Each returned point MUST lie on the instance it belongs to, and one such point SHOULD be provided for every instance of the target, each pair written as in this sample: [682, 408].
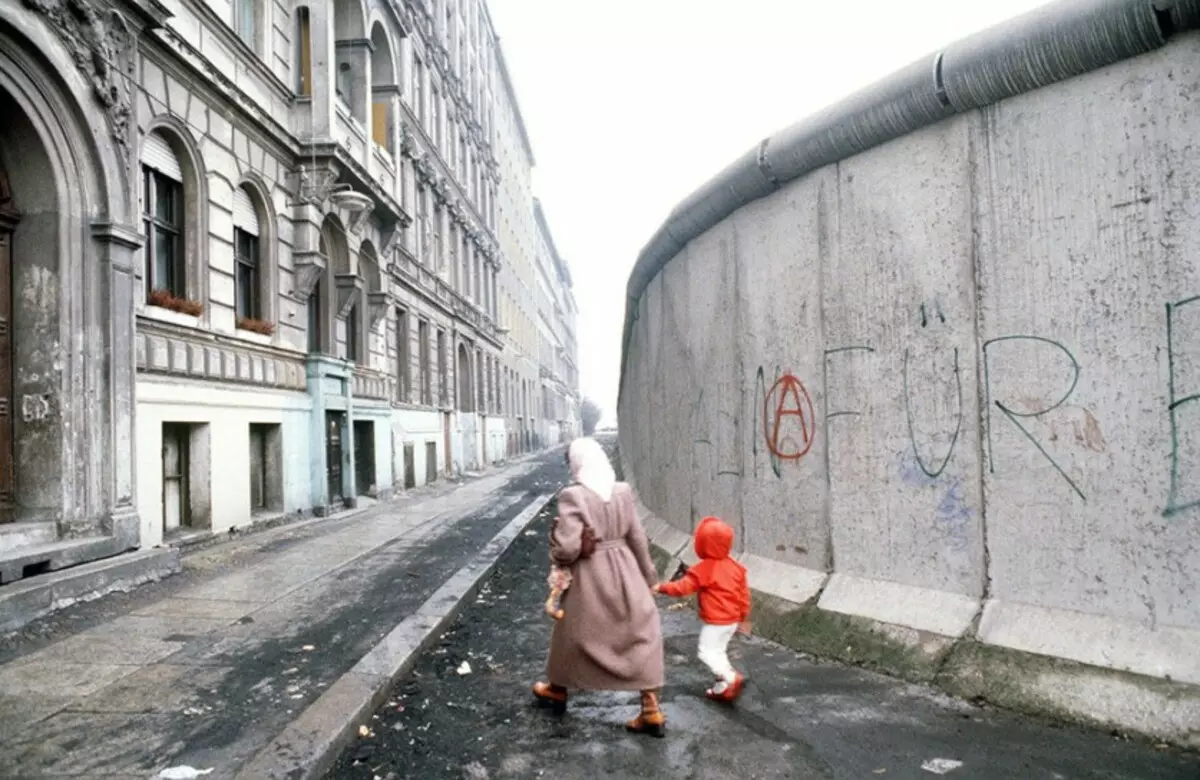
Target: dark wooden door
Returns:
[333, 456]
[410, 467]
[446, 442]
[7, 476]
[364, 457]
[430, 461]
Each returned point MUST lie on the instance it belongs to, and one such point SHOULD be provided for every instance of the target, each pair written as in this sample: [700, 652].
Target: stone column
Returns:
[116, 246]
[320, 28]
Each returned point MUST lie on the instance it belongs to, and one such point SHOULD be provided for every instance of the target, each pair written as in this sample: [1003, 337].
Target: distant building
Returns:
[558, 348]
[518, 235]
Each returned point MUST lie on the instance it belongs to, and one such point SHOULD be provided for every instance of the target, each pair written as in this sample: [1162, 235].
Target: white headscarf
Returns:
[590, 467]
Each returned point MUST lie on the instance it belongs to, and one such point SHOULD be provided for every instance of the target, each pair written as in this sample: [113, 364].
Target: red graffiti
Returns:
[790, 400]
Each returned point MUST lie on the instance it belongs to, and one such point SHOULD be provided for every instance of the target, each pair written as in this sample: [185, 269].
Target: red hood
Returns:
[714, 539]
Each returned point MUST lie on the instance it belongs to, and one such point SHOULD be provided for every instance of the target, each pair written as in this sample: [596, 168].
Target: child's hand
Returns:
[656, 588]
[744, 628]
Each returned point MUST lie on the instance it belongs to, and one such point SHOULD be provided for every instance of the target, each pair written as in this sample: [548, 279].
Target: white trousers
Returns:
[714, 644]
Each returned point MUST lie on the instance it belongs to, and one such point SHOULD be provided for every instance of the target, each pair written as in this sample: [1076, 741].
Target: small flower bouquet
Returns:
[559, 580]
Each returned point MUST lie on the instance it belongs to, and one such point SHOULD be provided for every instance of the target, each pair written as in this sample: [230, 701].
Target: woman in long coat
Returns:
[610, 638]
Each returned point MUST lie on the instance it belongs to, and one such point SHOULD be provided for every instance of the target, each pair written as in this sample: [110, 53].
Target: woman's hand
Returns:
[744, 628]
[656, 588]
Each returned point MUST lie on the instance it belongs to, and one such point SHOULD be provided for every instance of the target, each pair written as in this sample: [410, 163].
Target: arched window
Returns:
[464, 380]
[248, 298]
[383, 77]
[162, 219]
[304, 80]
[316, 305]
[353, 351]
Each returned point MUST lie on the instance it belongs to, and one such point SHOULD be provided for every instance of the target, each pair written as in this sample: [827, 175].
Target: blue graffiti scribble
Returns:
[954, 516]
[911, 473]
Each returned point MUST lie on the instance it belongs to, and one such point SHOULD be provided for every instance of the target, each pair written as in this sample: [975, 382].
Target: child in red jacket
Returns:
[724, 602]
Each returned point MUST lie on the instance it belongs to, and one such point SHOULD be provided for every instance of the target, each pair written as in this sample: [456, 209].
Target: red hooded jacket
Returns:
[720, 580]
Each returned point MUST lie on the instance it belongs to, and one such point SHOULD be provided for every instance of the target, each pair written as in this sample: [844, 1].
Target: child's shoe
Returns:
[727, 693]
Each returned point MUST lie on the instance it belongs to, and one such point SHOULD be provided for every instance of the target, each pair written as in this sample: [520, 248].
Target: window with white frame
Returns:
[162, 218]
[246, 21]
[248, 277]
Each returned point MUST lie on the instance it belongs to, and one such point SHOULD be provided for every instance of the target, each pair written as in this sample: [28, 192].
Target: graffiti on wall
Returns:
[715, 439]
[784, 426]
[785, 419]
[788, 419]
[786, 430]
[1008, 407]
[934, 469]
[1175, 502]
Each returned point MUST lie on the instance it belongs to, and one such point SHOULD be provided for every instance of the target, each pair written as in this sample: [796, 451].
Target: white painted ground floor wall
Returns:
[497, 439]
[409, 449]
[221, 417]
[417, 434]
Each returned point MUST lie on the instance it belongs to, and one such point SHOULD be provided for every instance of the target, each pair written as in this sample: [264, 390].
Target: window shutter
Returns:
[244, 215]
[157, 154]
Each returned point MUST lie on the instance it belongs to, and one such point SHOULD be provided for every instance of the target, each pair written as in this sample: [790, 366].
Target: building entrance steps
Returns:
[211, 668]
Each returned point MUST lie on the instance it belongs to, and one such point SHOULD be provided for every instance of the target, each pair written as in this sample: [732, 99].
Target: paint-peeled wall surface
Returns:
[958, 372]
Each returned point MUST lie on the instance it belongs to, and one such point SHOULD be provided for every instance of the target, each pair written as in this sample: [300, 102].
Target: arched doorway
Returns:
[9, 218]
[31, 286]
[69, 234]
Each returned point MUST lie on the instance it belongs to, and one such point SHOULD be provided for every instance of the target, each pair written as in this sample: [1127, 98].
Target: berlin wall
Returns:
[935, 354]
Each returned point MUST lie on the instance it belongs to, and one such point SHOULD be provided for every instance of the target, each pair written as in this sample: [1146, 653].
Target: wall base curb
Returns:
[959, 664]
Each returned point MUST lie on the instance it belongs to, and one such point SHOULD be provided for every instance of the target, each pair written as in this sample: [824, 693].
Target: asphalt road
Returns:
[799, 719]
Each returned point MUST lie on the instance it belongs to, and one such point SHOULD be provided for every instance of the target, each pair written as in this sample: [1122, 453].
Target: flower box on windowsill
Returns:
[166, 300]
[166, 315]
[258, 331]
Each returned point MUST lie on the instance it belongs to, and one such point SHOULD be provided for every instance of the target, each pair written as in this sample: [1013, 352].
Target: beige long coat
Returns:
[610, 638]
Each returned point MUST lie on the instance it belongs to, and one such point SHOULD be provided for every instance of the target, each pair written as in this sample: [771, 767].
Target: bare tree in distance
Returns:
[589, 414]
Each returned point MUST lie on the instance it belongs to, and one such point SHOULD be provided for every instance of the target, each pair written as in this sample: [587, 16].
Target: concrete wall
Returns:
[945, 386]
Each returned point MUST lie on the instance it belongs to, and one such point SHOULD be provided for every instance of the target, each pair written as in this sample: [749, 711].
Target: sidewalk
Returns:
[207, 668]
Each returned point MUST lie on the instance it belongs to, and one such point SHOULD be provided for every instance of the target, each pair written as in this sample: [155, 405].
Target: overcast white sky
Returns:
[632, 104]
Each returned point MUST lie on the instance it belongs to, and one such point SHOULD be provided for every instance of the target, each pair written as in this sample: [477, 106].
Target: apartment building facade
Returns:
[518, 234]
[249, 264]
[558, 352]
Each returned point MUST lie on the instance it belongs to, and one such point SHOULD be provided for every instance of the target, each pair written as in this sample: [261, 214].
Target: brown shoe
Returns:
[651, 720]
[551, 695]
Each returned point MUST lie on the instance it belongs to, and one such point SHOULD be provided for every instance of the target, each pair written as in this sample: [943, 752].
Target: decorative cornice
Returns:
[441, 192]
[424, 168]
[390, 242]
[313, 183]
[378, 304]
[202, 356]
[349, 291]
[359, 218]
[407, 145]
[103, 48]
[307, 270]
[355, 43]
[105, 231]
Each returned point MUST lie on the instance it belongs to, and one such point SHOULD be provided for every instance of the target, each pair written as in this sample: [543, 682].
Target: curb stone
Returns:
[310, 745]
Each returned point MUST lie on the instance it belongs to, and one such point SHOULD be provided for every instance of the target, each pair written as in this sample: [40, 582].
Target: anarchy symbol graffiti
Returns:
[788, 420]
